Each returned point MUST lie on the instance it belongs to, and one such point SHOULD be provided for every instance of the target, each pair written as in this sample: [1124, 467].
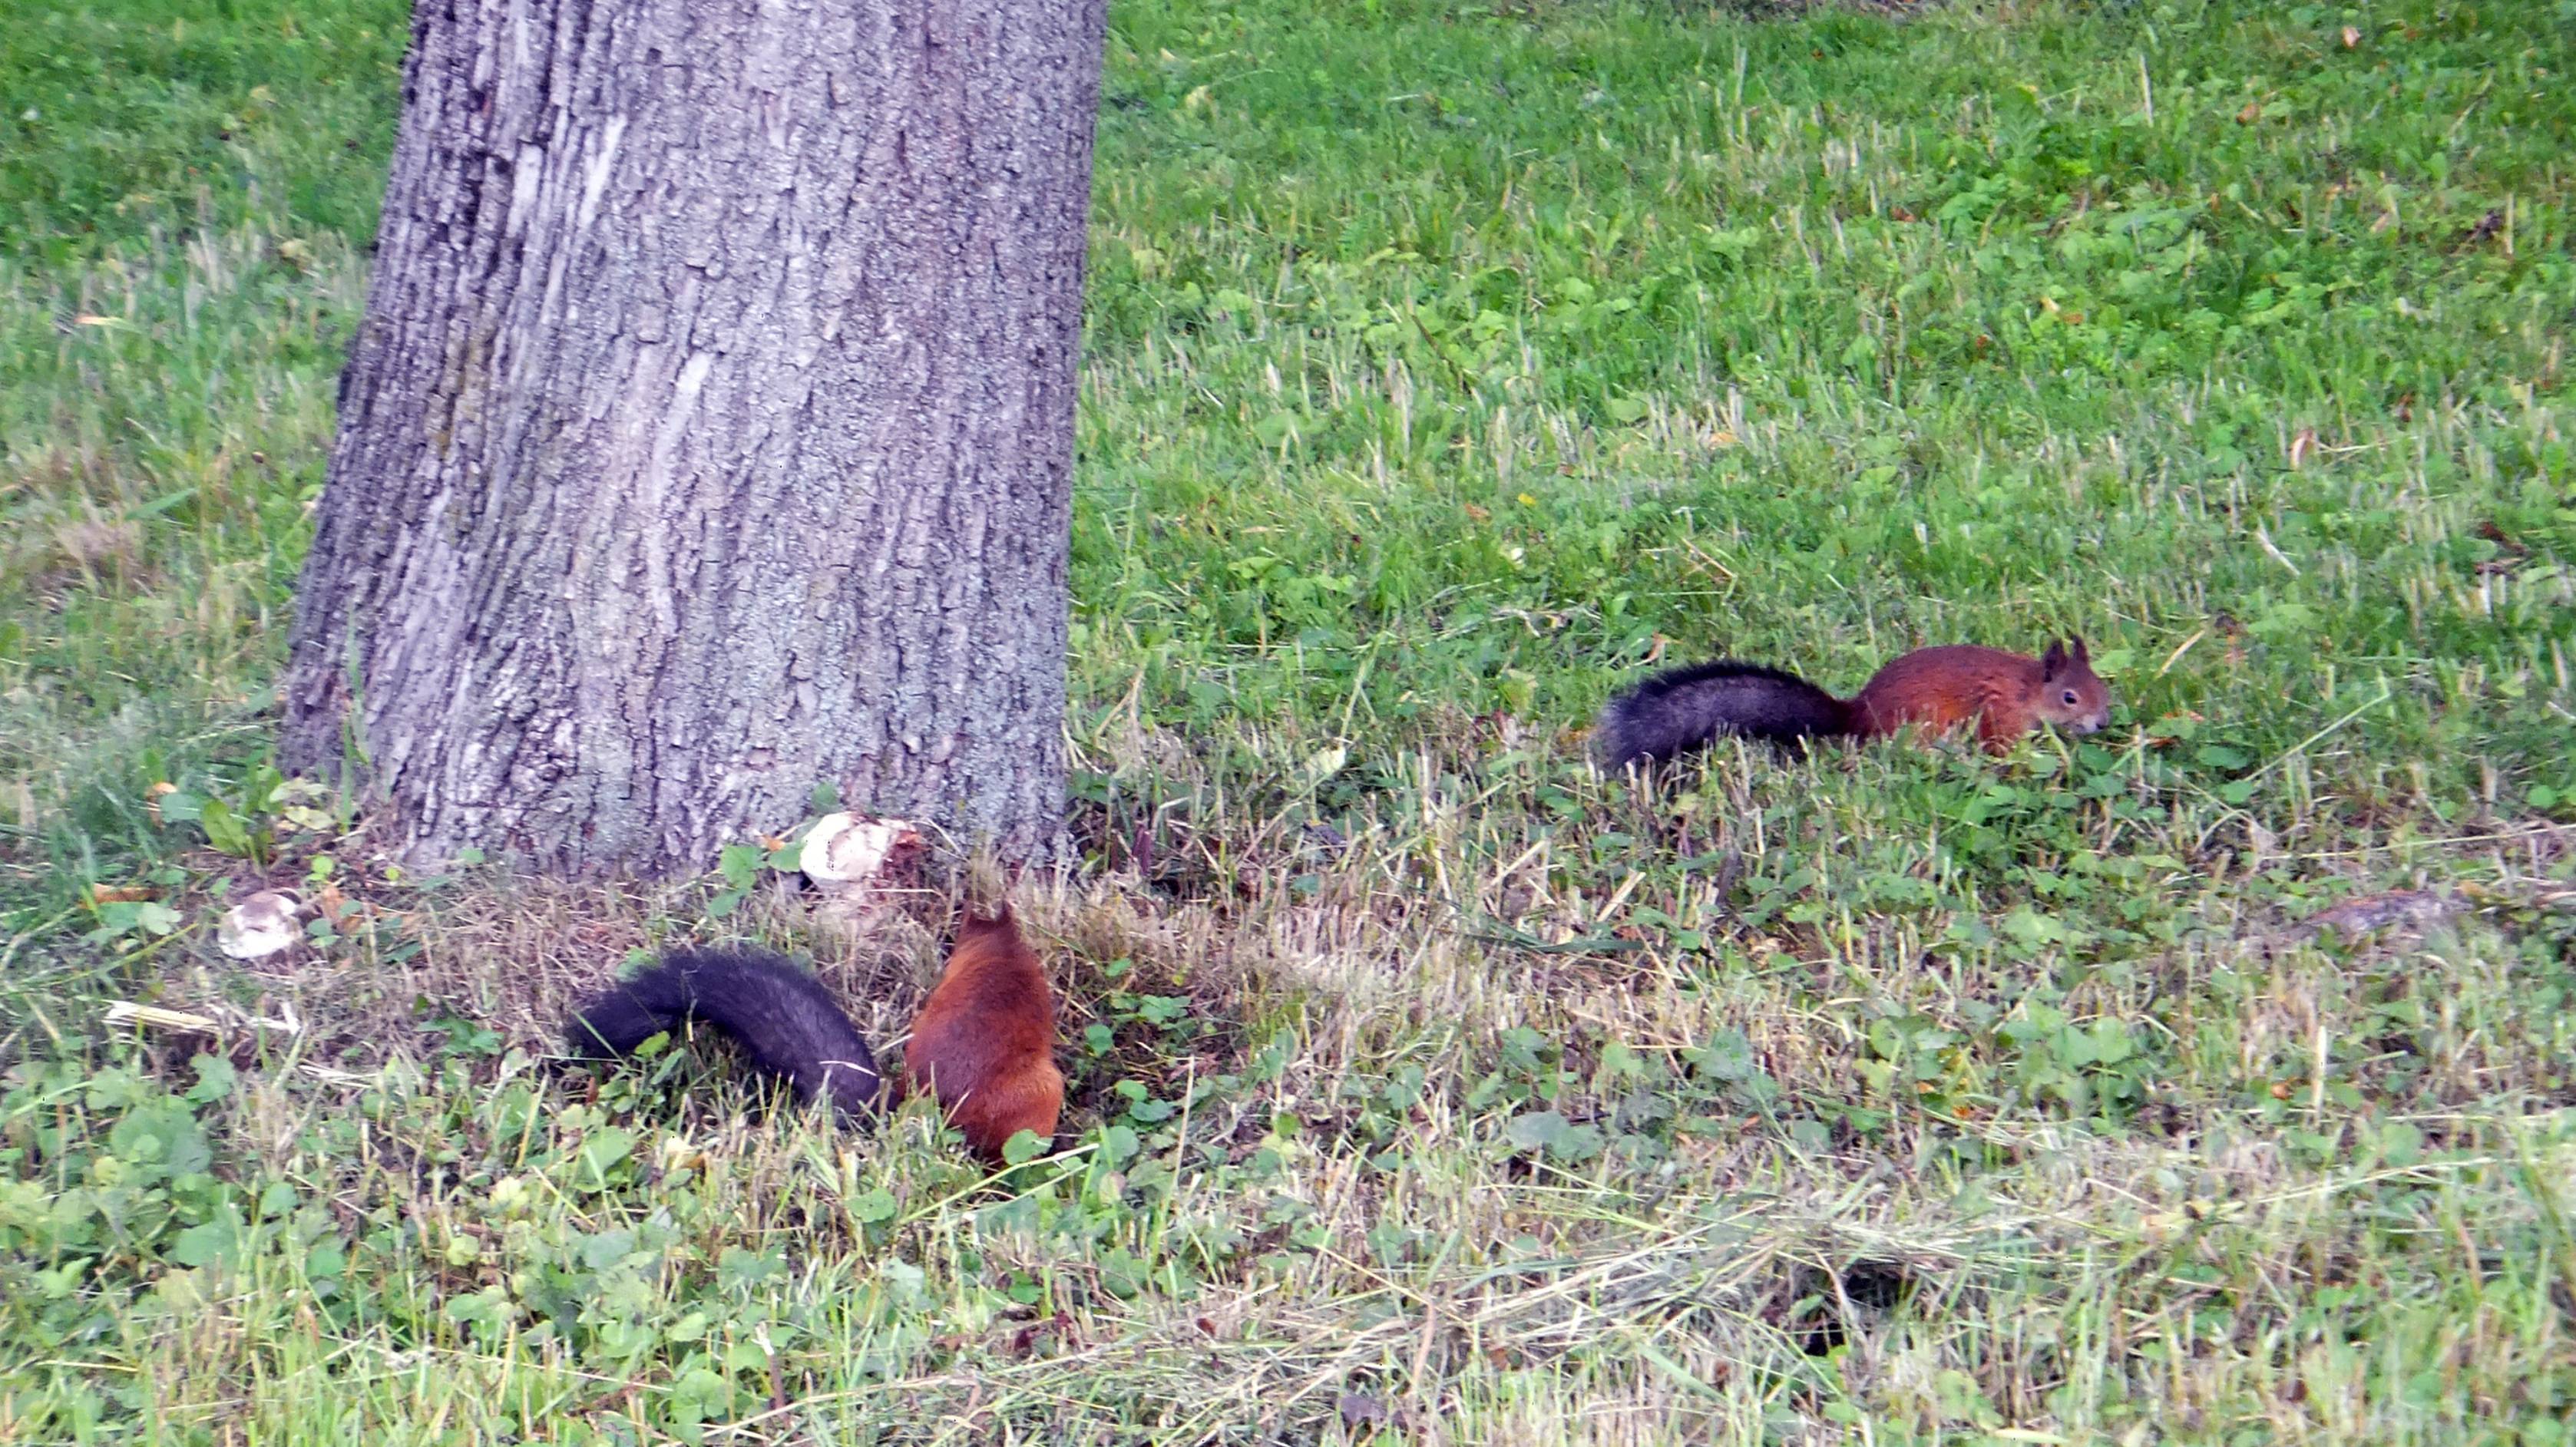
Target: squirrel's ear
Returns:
[2053, 662]
[2076, 650]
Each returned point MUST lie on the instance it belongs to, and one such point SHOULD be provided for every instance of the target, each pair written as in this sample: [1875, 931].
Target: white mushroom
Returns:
[261, 925]
[847, 849]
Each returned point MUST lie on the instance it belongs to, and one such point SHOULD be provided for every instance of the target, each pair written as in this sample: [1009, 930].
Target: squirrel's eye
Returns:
[2070, 698]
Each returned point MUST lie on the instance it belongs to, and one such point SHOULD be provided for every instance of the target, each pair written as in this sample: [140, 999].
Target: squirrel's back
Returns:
[2005, 694]
[1684, 708]
[984, 1042]
[784, 1018]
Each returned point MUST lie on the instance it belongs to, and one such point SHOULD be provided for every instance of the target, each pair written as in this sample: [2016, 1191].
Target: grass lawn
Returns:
[1445, 368]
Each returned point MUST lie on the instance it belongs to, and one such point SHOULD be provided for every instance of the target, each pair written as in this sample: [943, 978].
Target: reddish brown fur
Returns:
[985, 1039]
[2007, 694]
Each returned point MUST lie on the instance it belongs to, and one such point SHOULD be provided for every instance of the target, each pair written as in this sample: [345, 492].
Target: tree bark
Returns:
[709, 436]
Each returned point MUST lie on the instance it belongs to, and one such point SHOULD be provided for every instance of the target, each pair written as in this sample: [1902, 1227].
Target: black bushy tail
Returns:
[1675, 712]
[784, 1017]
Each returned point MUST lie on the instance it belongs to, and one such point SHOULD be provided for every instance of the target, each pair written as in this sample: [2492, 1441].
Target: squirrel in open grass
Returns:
[2006, 694]
[984, 1042]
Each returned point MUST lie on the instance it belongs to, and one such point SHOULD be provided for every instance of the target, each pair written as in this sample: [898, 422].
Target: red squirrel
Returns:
[2006, 694]
[984, 1041]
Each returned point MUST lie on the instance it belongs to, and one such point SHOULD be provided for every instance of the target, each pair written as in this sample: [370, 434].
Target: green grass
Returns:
[1443, 367]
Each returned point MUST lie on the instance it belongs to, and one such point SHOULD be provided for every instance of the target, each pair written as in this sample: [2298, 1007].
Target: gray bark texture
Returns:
[710, 432]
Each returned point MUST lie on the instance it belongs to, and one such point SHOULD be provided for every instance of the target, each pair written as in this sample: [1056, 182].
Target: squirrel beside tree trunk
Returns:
[984, 1042]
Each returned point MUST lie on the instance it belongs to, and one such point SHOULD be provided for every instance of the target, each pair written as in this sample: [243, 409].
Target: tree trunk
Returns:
[710, 433]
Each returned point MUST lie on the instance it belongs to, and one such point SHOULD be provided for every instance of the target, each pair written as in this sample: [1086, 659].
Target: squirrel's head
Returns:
[2070, 695]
